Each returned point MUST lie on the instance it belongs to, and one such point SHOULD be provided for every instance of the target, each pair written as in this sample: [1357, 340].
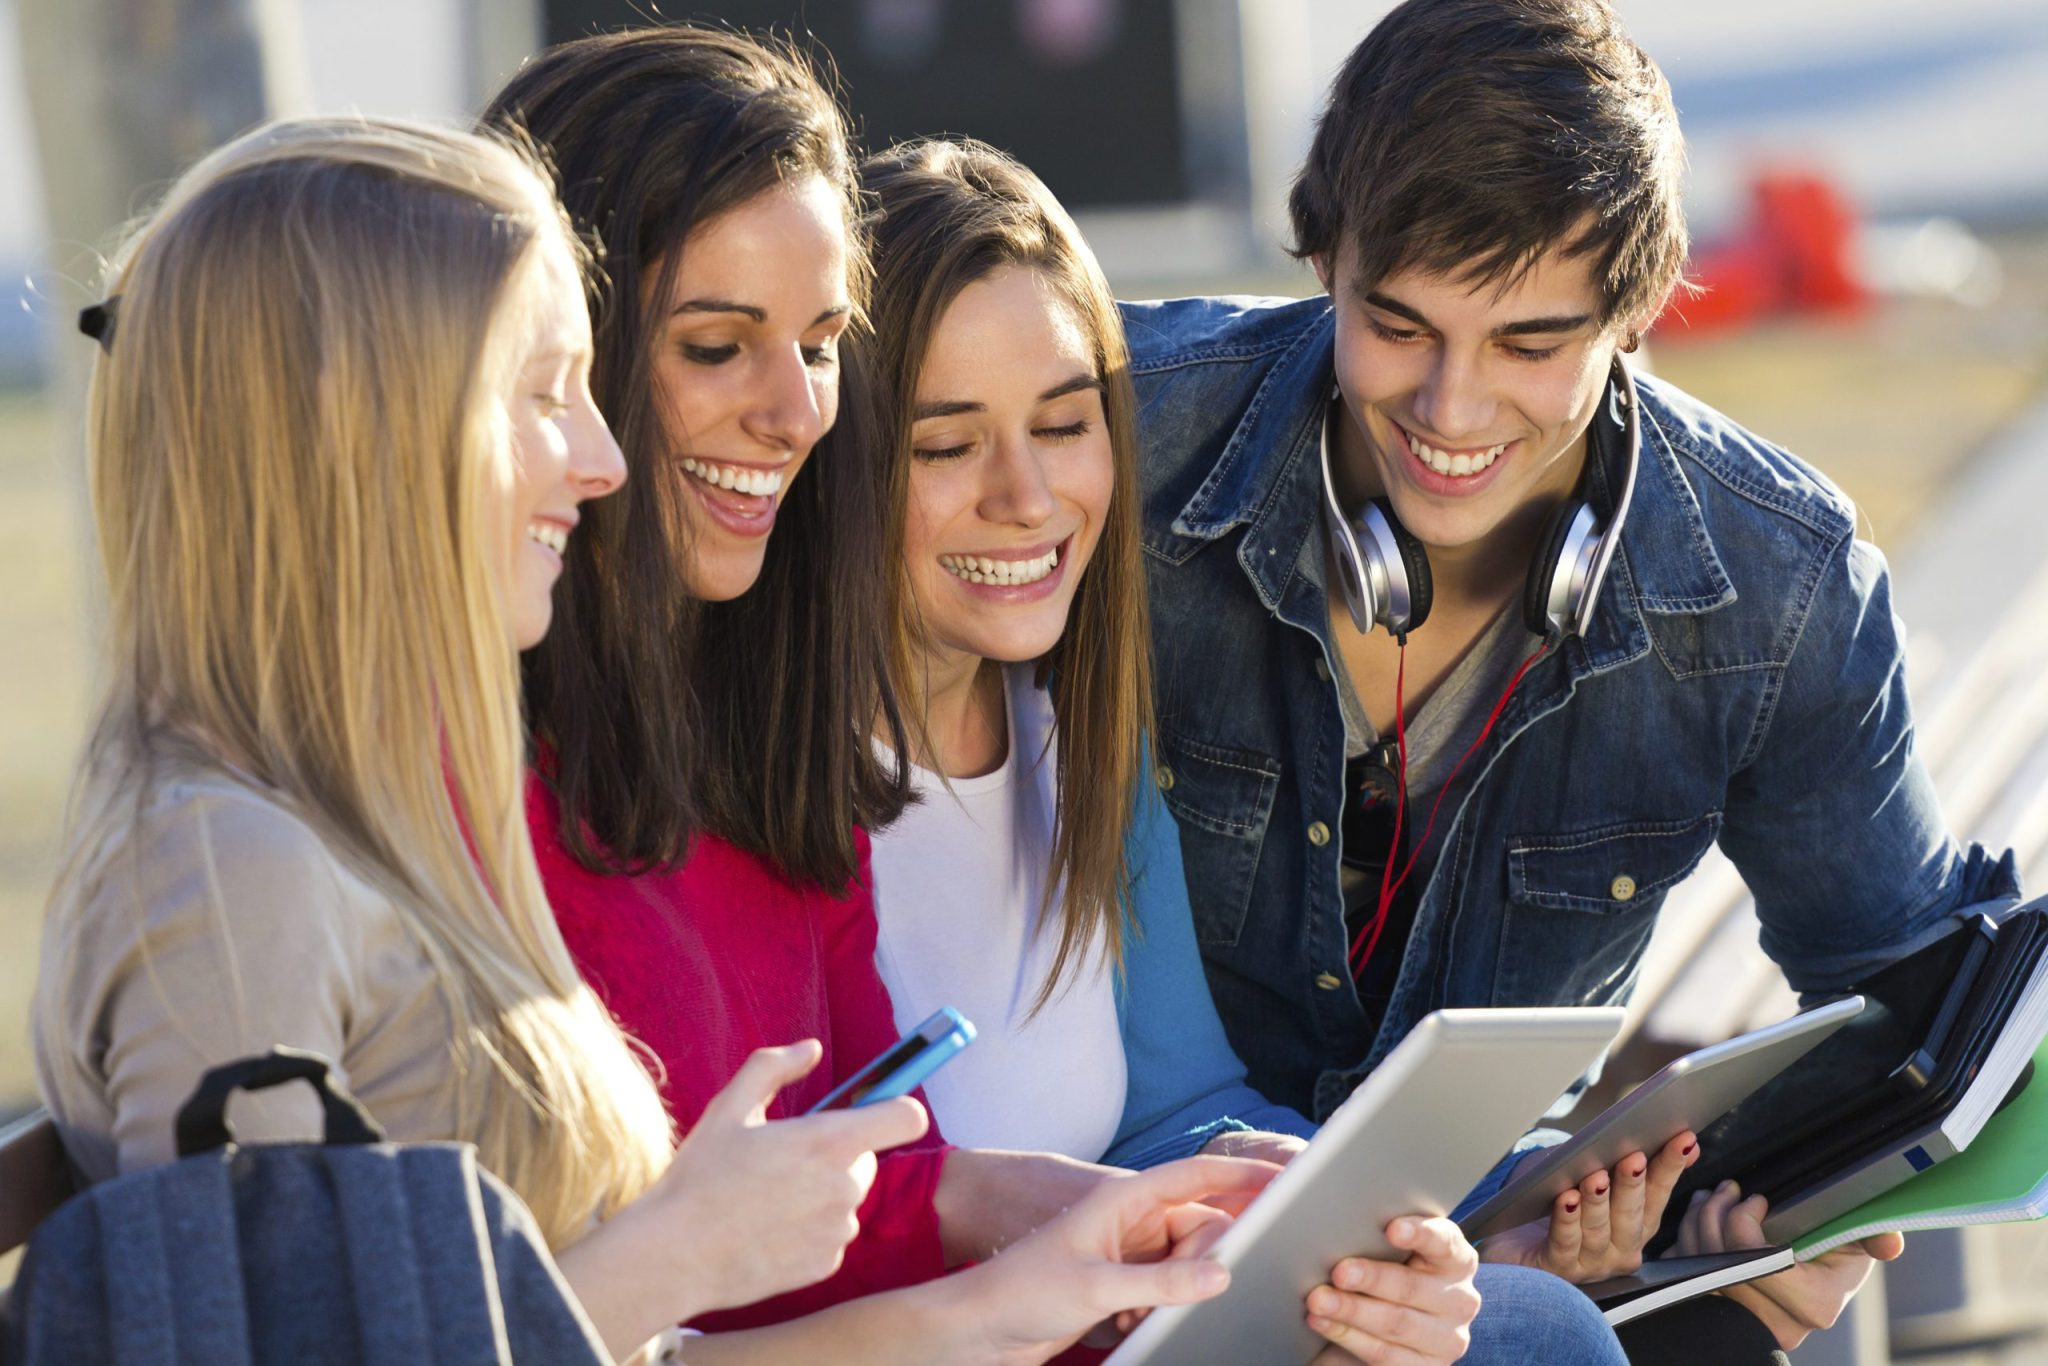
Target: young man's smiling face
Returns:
[1468, 404]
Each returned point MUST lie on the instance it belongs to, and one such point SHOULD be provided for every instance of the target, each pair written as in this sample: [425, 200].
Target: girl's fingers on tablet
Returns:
[1397, 1284]
[1665, 1168]
[1435, 1243]
[1595, 1217]
[1567, 1227]
[1625, 1205]
[1378, 1331]
[1197, 1241]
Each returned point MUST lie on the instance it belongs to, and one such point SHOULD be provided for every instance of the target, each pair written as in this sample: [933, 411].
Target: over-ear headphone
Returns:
[1384, 570]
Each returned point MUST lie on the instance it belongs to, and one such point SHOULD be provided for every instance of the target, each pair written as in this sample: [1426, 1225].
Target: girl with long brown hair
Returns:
[1037, 883]
[704, 777]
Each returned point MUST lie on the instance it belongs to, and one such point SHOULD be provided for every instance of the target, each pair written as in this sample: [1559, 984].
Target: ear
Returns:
[1321, 262]
[1679, 291]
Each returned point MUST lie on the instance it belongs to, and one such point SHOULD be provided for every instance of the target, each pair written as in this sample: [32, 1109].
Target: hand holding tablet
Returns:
[1598, 1228]
[1423, 1305]
[1421, 1129]
[1681, 1100]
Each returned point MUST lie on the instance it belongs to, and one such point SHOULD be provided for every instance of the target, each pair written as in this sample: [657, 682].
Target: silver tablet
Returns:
[1690, 1093]
[1413, 1138]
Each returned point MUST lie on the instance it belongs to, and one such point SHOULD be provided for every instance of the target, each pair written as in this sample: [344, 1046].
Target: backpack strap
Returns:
[202, 1124]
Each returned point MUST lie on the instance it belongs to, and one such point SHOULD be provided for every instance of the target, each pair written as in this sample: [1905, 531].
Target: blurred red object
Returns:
[1797, 253]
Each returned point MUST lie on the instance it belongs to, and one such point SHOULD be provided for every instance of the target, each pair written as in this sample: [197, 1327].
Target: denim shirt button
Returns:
[1319, 835]
[1623, 888]
[1329, 981]
[1164, 777]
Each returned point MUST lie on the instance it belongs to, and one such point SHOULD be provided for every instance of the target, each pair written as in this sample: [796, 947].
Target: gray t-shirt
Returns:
[1441, 733]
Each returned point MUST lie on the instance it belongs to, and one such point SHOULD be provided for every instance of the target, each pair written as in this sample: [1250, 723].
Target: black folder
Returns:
[1901, 1065]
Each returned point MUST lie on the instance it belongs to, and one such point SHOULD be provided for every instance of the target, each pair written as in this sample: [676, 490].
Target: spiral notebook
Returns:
[2001, 1178]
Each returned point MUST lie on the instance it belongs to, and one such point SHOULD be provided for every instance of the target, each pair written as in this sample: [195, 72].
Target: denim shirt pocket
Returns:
[1582, 903]
[1223, 799]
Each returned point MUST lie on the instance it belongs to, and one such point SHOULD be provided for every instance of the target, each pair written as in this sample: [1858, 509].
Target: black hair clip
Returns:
[97, 322]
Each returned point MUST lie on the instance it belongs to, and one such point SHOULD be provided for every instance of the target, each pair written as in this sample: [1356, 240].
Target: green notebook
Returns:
[2001, 1178]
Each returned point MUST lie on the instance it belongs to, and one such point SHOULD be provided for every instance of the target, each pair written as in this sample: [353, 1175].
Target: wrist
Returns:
[951, 1320]
[987, 1199]
[959, 1202]
[1786, 1330]
[638, 1273]
[698, 1286]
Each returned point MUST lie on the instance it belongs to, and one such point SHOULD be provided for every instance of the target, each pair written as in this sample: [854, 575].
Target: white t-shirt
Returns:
[958, 883]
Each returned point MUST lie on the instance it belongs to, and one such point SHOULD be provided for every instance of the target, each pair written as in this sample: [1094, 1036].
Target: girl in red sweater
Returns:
[703, 702]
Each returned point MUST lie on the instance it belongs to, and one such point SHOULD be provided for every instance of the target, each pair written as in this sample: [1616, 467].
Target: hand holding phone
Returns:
[905, 1064]
[751, 1207]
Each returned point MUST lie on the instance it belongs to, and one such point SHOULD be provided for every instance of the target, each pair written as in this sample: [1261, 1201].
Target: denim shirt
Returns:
[1741, 681]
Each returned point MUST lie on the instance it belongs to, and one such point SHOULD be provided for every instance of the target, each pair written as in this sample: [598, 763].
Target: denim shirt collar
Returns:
[1268, 480]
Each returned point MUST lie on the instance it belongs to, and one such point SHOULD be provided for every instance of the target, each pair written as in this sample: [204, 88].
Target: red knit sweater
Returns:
[720, 957]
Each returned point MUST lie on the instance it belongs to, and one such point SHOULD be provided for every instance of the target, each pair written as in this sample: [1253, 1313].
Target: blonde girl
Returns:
[339, 438]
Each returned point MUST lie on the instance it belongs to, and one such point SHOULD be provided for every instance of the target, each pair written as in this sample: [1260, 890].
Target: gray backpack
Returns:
[352, 1250]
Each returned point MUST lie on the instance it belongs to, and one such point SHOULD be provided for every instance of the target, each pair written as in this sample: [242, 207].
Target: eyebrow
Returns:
[1525, 327]
[758, 314]
[954, 407]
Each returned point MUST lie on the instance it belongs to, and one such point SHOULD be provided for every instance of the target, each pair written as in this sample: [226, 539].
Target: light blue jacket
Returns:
[1185, 1084]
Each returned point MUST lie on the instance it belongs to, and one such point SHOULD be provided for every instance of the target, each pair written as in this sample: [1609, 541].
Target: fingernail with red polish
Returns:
[1571, 1204]
[1688, 1150]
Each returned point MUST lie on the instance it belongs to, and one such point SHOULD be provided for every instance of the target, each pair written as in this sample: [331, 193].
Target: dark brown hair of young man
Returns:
[1467, 137]
[666, 715]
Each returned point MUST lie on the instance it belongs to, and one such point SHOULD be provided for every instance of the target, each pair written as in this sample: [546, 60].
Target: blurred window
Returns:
[1085, 92]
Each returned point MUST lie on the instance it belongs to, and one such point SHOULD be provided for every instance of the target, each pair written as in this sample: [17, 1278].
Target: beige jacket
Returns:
[220, 924]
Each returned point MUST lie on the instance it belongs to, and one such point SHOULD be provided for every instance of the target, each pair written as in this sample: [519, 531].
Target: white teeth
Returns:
[741, 480]
[1004, 573]
[1454, 465]
[550, 534]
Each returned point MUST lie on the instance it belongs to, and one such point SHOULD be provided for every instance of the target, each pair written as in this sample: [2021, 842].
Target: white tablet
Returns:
[1416, 1135]
[1690, 1093]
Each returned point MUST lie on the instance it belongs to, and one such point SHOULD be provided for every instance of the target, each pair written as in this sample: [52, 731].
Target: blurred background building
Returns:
[1869, 197]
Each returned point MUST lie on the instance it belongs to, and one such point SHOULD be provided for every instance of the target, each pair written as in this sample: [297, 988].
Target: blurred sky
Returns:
[1913, 106]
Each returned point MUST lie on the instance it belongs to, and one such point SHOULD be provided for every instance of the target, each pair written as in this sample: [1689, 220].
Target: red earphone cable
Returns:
[1369, 934]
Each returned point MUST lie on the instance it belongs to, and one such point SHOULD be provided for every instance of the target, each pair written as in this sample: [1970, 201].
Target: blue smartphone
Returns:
[903, 1067]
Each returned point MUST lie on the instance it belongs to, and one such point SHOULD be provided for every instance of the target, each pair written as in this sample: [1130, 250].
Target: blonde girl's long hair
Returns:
[300, 462]
[946, 214]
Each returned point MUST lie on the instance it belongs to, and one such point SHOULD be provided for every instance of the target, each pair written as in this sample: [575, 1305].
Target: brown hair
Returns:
[949, 214]
[1468, 137]
[749, 718]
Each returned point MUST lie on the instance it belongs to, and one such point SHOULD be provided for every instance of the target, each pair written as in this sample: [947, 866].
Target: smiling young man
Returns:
[1492, 204]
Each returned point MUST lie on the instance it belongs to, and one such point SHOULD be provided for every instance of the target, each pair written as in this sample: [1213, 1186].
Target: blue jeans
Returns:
[1532, 1318]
